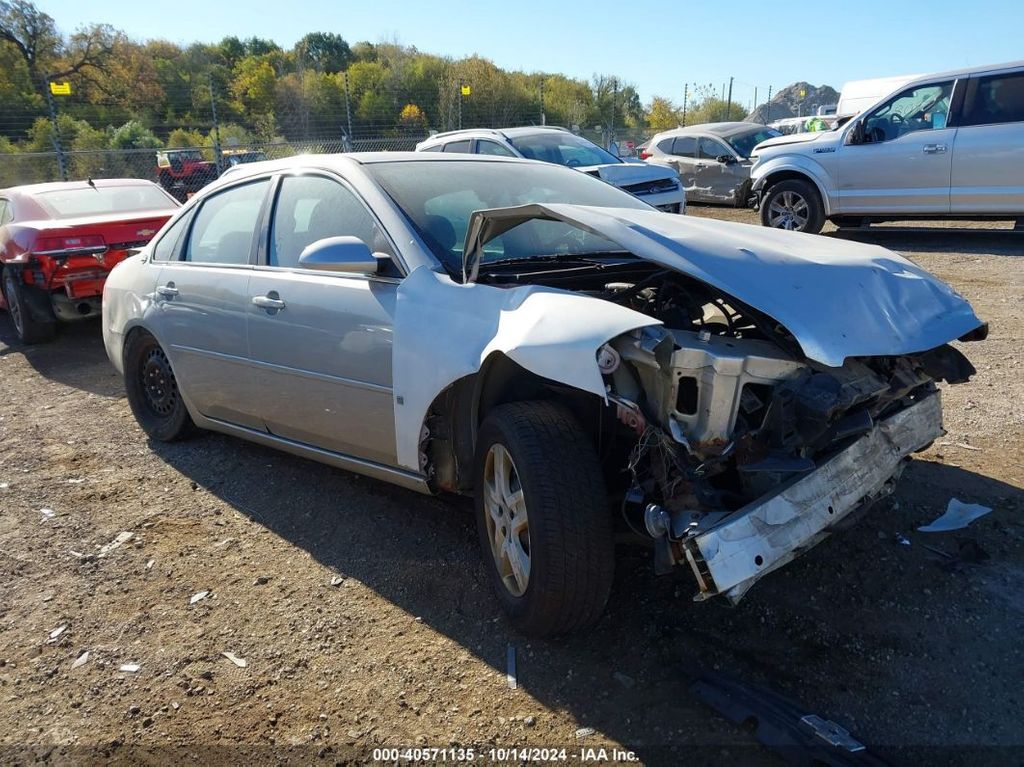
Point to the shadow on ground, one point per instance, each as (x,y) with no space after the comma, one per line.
(842,629)
(997,242)
(76,358)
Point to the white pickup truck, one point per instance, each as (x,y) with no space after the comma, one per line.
(947,145)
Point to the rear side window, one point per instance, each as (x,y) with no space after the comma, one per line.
(165,247)
(685,146)
(224,226)
(311,208)
(458,146)
(434,148)
(994,100)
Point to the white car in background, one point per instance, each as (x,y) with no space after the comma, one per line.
(944,146)
(656,185)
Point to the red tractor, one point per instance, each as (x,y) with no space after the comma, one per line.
(182,172)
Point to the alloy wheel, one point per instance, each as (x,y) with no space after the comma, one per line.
(13,304)
(508,526)
(788,210)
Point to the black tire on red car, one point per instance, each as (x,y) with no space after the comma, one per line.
(544,507)
(29,308)
(153,390)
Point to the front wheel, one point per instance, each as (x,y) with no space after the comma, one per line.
(24,311)
(794,205)
(153,390)
(543,518)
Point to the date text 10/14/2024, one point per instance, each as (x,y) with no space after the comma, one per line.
(498,754)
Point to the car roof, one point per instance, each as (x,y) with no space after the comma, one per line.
(714,129)
(56,186)
(522,130)
(979,70)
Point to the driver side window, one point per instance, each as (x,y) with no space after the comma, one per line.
(924,107)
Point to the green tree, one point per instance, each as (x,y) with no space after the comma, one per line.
(324,51)
(662,114)
(134,135)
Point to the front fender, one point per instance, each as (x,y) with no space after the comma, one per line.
(798,164)
(445,331)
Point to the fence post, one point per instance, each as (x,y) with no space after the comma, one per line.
(62,162)
(348,114)
(768,107)
(217,156)
(543,116)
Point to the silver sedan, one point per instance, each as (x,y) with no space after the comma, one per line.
(549,344)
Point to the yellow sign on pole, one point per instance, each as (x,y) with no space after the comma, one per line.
(466,90)
(60,89)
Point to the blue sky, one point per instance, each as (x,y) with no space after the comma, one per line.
(657,46)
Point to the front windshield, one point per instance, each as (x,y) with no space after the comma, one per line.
(562,148)
(744,143)
(439,197)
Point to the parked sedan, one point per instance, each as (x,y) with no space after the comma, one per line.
(655,184)
(550,345)
(713,160)
(58,242)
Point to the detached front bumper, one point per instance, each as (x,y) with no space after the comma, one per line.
(730,557)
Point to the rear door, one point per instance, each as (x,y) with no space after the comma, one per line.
(988,152)
(682,152)
(201,302)
(903,166)
(323,349)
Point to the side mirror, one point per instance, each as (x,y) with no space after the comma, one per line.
(726,159)
(339,254)
(856,134)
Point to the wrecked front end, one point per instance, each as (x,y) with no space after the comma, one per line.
(746,456)
(782,393)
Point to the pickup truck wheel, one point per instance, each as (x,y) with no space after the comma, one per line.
(153,391)
(28,326)
(543,518)
(795,205)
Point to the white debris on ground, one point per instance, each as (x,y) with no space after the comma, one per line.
(958,516)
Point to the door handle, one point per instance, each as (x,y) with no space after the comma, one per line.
(168,290)
(934,148)
(270,302)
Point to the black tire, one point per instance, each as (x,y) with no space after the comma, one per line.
(153,391)
(794,205)
(30,310)
(570,540)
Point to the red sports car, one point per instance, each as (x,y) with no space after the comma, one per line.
(59,241)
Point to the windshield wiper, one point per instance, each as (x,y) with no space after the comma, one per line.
(572,258)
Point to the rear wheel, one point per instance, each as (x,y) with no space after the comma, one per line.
(543,518)
(25,308)
(793,204)
(153,390)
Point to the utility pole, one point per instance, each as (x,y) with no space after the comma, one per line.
(686,93)
(615,97)
(755,99)
(216,126)
(728,105)
(348,116)
(62,163)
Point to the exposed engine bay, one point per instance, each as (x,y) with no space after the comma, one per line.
(723,413)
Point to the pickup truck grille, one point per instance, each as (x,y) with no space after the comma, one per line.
(653,187)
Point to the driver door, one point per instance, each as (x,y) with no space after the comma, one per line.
(904,162)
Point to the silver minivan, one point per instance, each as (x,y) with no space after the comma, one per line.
(948,145)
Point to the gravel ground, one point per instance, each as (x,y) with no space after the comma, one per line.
(363,617)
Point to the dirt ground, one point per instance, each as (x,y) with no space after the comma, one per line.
(364,620)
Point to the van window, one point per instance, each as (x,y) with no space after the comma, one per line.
(923,107)
(994,99)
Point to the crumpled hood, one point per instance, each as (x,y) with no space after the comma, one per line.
(839,299)
(627,173)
